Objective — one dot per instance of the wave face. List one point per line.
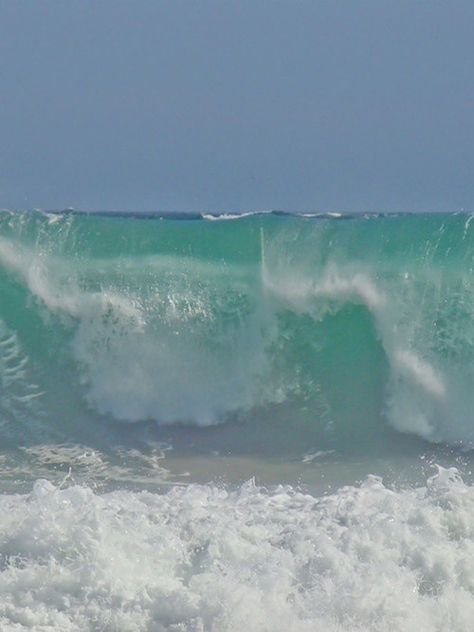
(346, 326)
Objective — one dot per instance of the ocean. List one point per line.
(259, 422)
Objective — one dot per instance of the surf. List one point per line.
(344, 325)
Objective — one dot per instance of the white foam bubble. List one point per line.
(204, 558)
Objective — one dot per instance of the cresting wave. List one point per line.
(348, 327)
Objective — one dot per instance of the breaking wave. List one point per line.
(348, 326)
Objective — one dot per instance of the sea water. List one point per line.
(218, 422)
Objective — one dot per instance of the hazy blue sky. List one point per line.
(352, 105)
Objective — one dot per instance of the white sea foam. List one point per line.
(202, 558)
(327, 215)
(311, 456)
(230, 216)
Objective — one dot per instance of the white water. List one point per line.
(202, 558)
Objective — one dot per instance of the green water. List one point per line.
(266, 339)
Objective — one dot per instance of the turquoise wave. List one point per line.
(345, 326)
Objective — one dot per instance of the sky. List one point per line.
(223, 105)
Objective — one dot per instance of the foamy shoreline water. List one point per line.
(201, 557)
